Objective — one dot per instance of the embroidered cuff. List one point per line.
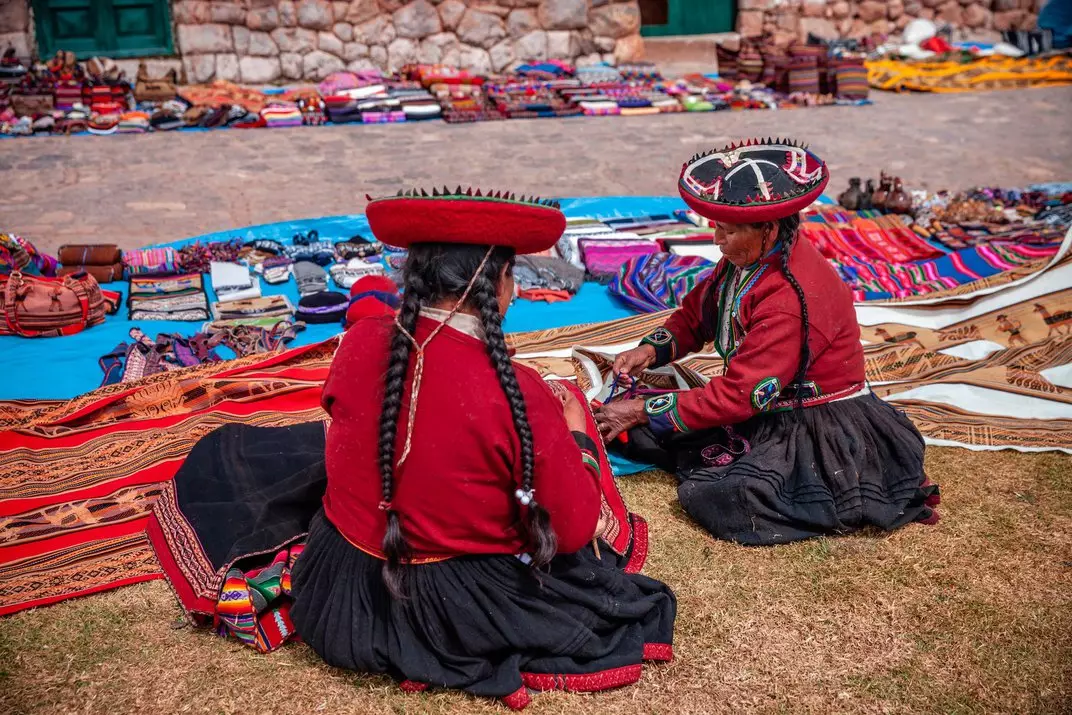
(665, 345)
(589, 455)
(663, 416)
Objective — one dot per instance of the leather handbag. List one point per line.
(34, 306)
(154, 90)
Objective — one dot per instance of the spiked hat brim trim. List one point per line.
(524, 224)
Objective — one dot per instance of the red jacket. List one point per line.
(455, 491)
(767, 333)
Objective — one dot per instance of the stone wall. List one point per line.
(15, 27)
(786, 20)
(263, 41)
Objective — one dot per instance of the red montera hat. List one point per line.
(758, 180)
(526, 224)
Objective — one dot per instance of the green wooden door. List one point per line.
(686, 17)
(112, 28)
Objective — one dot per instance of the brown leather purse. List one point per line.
(154, 90)
(36, 306)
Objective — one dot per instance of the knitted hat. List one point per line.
(323, 307)
(758, 180)
(528, 225)
(372, 296)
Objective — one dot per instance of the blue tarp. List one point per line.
(61, 368)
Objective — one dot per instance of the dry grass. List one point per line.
(973, 615)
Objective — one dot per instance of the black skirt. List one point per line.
(483, 624)
(828, 469)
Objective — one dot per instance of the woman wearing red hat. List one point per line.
(455, 544)
(789, 442)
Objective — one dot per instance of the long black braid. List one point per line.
(394, 546)
(435, 273)
(484, 299)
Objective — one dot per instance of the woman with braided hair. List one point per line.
(460, 542)
(789, 442)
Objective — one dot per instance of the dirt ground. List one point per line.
(135, 190)
(970, 616)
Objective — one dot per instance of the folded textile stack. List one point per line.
(525, 100)
(233, 281)
(341, 109)
(348, 273)
(642, 71)
(102, 261)
(168, 298)
(465, 103)
(547, 278)
(133, 123)
(604, 257)
(430, 75)
(251, 310)
(150, 262)
(281, 115)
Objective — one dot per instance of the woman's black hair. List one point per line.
(434, 273)
(787, 236)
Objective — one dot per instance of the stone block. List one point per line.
(290, 64)
(604, 44)
(339, 9)
(261, 44)
(401, 52)
(450, 13)
(197, 39)
(227, 13)
(952, 13)
(330, 43)
(1008, 20)
(531, 46)
(629, 49)
(315, 14)
(481, 29)
(616, 21)
(378, 31)
(199, 68)
(227, 67)
(361, 11)
(813, 8)
(378, 55)
(519, 22)
(475, 59)
(362, 64)
(1005, 5)
(818, 26)
(294, 39)
(288, 14)
(240, 35)
(259, 70)
(565, 14)
(750, 23)
(435, 47)
(184, 12)
(976, 16)
(871, 10)
(840, 10)
(895, 9)
(265, 19)
(319, 64)
(559, 45)
(343, 30)
(416, 20)
(501, 55)
(354, 50)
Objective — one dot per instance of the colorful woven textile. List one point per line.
(254, 607)
(603, 258)
(16, 253)
(659, 281)
(883, 257)
(150, 261)
(980, 74)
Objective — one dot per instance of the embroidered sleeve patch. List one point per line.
(663, 416)
(665, 346)
(766, 392)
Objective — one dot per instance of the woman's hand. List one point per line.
(572, 409)
(633, 362)
(618, 417)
